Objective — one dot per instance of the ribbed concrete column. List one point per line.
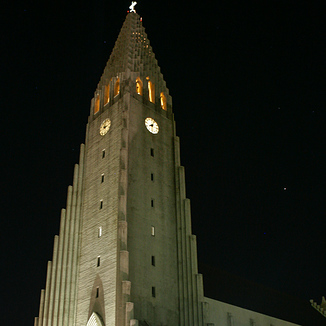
(41, 310)
(72, 306)
(53, 277)
(190, 298)
(47, 294)
(70, 246)
(179, 233)
(59, 267)
(61, 310)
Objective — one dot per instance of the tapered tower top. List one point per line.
(132, 67)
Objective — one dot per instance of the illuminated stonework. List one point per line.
(105, 276)
(94, 320)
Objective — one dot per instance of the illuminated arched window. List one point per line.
(139, 86)
(117, 87)
(151, 90)
(107, 94)
(97, 104)
(163, 101)
(94, 320)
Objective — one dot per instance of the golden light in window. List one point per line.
(151, 90)
(97, 104)
(163, 101)
(139, 86)
(117, 87)
(107, 94)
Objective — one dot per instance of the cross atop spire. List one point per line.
(132, 7)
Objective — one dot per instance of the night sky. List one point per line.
(248, 88)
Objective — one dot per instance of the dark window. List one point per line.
(153, 260)
(153, 292)
(101, 204)
(97, 292)
(152, 152)
(98, 261)
(152, 202)
(152, 176)
(102, 179)
(103, 153)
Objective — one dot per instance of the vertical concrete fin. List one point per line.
(53, 283)
(70, 245)
(129, 313)
(177, 151)
(179, 232)
(123, 227)
(57, 304)
(126, 286)
(61, 310)
(124, 264)
(36, 319)
(200, 287)
(190, 298)
(188, 216)
(74, 271)
(59, 266)
(47, 294)
(41, 309)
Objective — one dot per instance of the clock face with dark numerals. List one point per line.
(151, 125)
(105, 126)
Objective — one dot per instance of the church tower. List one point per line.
(125, 254)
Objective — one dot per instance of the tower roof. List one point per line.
(133, 55)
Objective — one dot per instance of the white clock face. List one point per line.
(105, 126)
(151, 125)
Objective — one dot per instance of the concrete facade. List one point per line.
(222, 314)
(125, 254)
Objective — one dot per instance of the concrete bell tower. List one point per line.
(125, 254)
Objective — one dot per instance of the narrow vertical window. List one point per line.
(117, 87)
(152, 202)
(101, 204)
(153, 260)
(98, 261)
(97, 104)
(152, 176)
(153, 231)
(99, 231)
(97, 292)
(151, 90)
(103, 153)
(102, 178)
(152, 152)
(230, 319)
(163, 101)
(139, 86)
(107, 94)
(153, 292)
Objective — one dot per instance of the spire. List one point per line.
(133, 58)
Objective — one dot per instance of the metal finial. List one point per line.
(132, 7)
